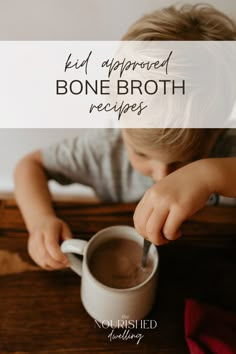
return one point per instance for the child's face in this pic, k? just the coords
(158, 163)
(155, 164)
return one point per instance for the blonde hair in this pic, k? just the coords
(189, 22)
(188, 143)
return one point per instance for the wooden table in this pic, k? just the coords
(41, 312)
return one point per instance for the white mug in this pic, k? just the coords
(104, 303)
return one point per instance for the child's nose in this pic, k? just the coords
(159, 172)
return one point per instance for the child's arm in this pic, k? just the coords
(168, 203)
(45, 229)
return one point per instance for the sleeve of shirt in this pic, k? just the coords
(72, 160)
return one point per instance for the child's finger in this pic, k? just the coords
(154, 226)
(49, 263)
(38, 252)
(173, 223)
(66, 233)
(141, 215)
(53, 249)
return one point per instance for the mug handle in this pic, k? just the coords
(74, 246)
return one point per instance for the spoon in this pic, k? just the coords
(146, 246)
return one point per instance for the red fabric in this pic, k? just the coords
(209, 329)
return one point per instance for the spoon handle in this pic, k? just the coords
(146, 246)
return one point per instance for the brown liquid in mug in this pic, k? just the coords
(117, 264)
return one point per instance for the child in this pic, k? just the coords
(172, 171)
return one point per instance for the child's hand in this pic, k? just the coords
(44, 243)
(168, 203)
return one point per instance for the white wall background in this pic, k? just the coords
(66, 20)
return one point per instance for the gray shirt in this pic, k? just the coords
(97, 158)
